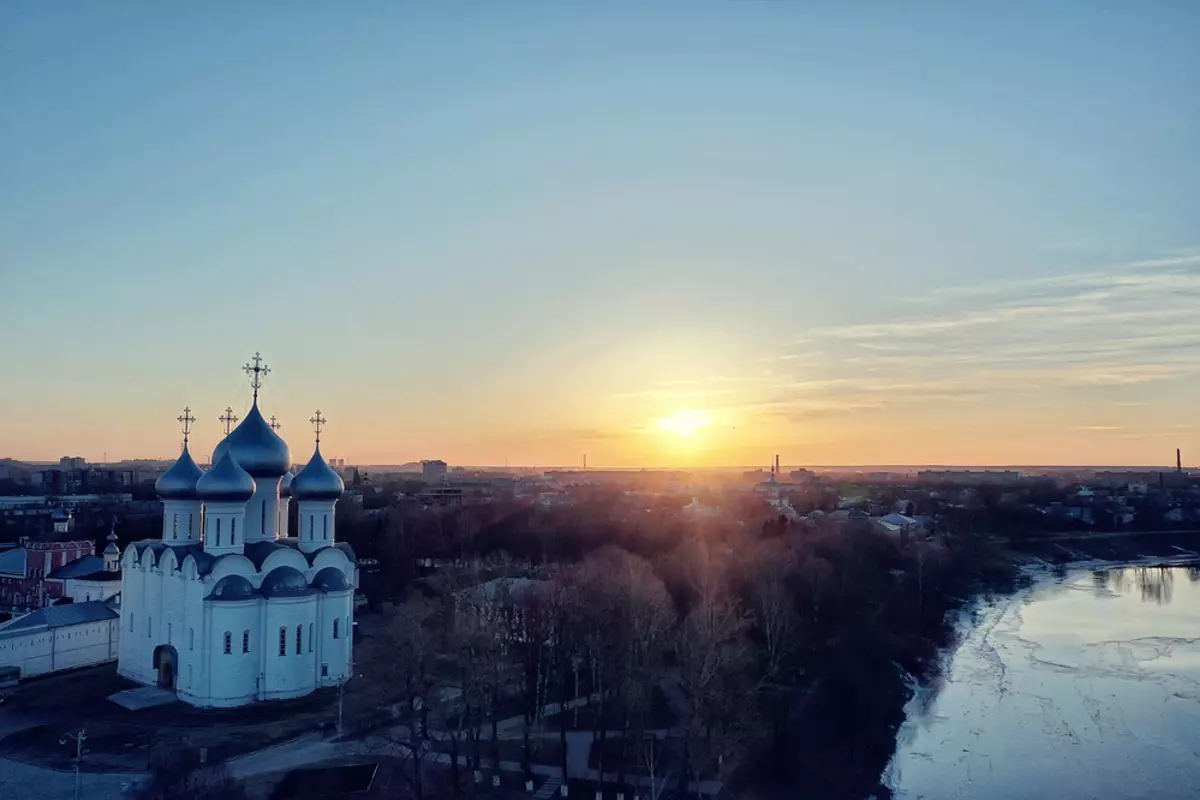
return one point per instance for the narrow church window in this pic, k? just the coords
(325, 525)
(191, 638)
(175, 527)
(189, 526)
(168, 633)
(264, 516)
(310, 637)
(283, 641)
(131, 621)
(310, 527)
(218, 531)
(335, 627)
(149, 626)
(233, 531)
(228, 642)
(299, 649)
(324, 670)
(245, 641)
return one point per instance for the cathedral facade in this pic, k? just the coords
(226, 608)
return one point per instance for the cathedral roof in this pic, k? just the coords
(226, 482)
(232, 588)
(256, 446)
(330, 579)
(179, 482)
(317, 481)
(285, 582)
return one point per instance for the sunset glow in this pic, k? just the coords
(683, 423)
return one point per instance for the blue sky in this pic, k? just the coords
(899, 233)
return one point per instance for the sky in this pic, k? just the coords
(661, 234)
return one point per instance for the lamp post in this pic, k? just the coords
(79, 739)
(341, 689)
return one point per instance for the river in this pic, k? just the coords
(1084, 685)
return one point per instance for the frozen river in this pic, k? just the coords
(1086, 685)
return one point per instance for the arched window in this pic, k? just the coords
(175, 527)
(310, 526)
(233, 531)
(189, 526)
(335, 627)
(218, 531)
(325, 525)
(299, 630)
(263, 506)
(283, 641)
(191, 638)
(245, 641)
(228, 642)
(311, 628)
(149, 626)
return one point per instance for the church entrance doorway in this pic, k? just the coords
(166, 661)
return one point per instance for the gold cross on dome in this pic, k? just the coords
(186, 419)
(257, 370)
(228, 418)
(317, 421)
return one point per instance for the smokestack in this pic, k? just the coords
(777, 463)
(1178, 460)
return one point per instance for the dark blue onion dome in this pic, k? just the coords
(226, 482)
(285, 485)
(232, 588)
(179, 482)
(330, 579)
(317, 481)
(256, 447)
(285, 582)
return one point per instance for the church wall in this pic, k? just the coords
(50, 650)
(231, 678)
(262, 512)
(334, 654)
(85, 591)
(290, 674)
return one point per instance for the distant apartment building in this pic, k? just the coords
(72, 462)
(433, 471)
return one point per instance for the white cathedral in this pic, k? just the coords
(226, 608)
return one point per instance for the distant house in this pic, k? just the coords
(25, 570)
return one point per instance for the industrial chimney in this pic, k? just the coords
(1178, 460)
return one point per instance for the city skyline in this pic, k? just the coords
(656, 236)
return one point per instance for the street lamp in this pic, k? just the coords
(341, 688)
(79, 739)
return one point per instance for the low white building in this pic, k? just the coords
(60, 637)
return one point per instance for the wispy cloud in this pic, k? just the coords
(1131, 324)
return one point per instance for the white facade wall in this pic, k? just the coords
(182, 521)
(262, 512)
(85, 591)
(282, 524)
(38, 652)
(163, 602)
(224, 527)
(315, 524)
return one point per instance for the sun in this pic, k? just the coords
(683, 423)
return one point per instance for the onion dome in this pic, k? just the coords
(285, 485)
(317, 481)
(257, 447)
(330, 579)
(226, 482)
(285, 582)
(179, 482)
(112, 548)
(232, 588)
